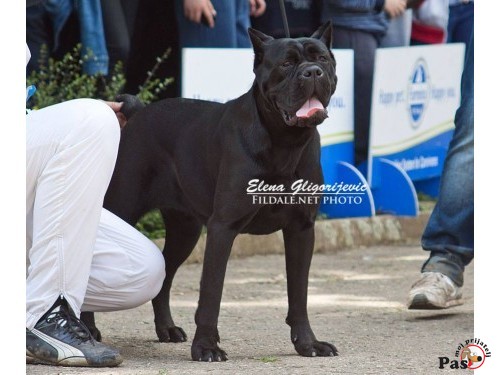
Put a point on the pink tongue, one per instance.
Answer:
(309, 108)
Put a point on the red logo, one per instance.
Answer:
(474, 355)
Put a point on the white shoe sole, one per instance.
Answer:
(421, 302)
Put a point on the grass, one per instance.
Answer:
(268, 359)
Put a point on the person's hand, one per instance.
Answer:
(394, 8)
(116, 107)
(257, 7)
(194, 10)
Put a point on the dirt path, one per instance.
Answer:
(356, 301)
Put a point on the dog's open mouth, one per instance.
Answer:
(311, 113)
(309, 108)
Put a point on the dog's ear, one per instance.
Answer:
(258, 40)
(324, 34)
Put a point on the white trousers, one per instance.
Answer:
(75, 248)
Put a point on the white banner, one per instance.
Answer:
(416, 92)
(221, 74)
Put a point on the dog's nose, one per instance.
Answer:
(312, 72)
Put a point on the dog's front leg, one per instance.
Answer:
(219, 242)
(299, 245)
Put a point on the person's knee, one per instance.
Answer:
(155, 274)
(149, 273)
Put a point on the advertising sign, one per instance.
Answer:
(416, 92)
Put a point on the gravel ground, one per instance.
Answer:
(356, 301)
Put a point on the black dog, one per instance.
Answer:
(194, 159)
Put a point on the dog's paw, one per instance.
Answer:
(177, 334)
(172, 334)
(316, 349)
(305, 342)
(207, 350)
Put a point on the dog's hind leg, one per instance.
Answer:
(182, 233)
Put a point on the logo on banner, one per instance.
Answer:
(418, 92)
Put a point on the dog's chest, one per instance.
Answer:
(279, 212)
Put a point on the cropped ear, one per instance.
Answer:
(324, 34)
(258, 40)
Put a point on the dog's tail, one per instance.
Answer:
(131, 104)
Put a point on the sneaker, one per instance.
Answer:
(434, 291)
(60, 338)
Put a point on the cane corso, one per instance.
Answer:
(193, 160)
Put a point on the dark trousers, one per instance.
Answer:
(364, 45)
(38, 33)
(119, 19)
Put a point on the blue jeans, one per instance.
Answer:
(461, 23)
(92, 36)
(230, 31)
(45, 22)
(449, 234)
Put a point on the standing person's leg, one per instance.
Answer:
(449, 235)
(39, 33)
(130, 8)
(364, 45)
(116, 32)
(461, 23)
(71, 151)
(119, 20)
(242, 20)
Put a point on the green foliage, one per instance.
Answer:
(425, 198)
(268, 359)
(61, 80)
(151, 225)
(152, 87)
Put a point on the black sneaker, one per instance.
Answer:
(60, 338)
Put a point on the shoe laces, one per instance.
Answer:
(63, 318)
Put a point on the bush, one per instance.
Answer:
(62, 80)
(151, 225)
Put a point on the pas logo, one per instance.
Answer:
(475, 356)
(418, 92)
(470, 355)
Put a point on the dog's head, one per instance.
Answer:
(296, 77)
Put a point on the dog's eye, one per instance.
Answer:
(322, 58)
(286, 64)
